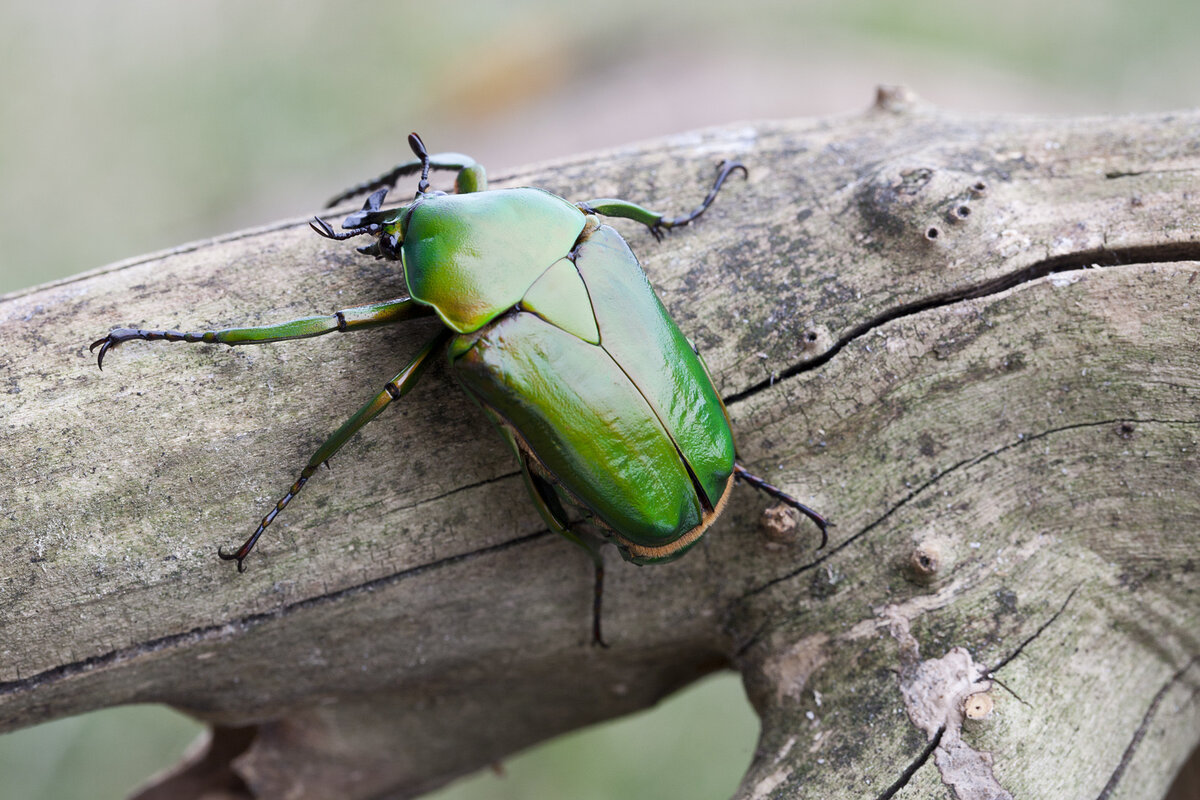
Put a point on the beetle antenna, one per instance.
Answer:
(743, 474)
(418, 148)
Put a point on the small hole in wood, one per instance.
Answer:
(978, 706)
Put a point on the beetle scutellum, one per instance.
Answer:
(553, 329)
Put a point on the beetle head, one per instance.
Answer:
(387, 226)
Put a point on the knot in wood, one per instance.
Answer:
(779, 524)
(925, 562)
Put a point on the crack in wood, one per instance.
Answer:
(456, 490)
(1140, 733)
(1128, 257)
(965, 463)
(912, 768)
(1116, 173)
(222, 629)
(1041, 629)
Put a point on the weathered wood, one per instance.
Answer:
(970, 340)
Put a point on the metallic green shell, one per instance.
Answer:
(632, 428)
(639, 334)
(586, 423)
(561, 298)
(473, 256)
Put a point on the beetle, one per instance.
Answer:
(552, 328)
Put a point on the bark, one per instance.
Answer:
(970, 341)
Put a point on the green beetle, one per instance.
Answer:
(553, 329)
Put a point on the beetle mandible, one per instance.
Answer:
(552, 328)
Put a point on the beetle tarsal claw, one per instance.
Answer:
(114, 338)
(108, 342)
(236, 555)
(322, 227)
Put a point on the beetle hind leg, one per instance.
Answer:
(657, 222)
(546, 500)
(743, 474)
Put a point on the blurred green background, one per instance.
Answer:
(130, 126)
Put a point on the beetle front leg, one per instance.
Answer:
(743, 474)
(654, 220)
(348, 319)
(394, 390)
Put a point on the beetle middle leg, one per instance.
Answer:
(744, 474)
(654, 220)
(551, 509)
(396, 388)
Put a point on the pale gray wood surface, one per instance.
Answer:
(971, 341)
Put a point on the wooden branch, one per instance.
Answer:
(971, 341)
